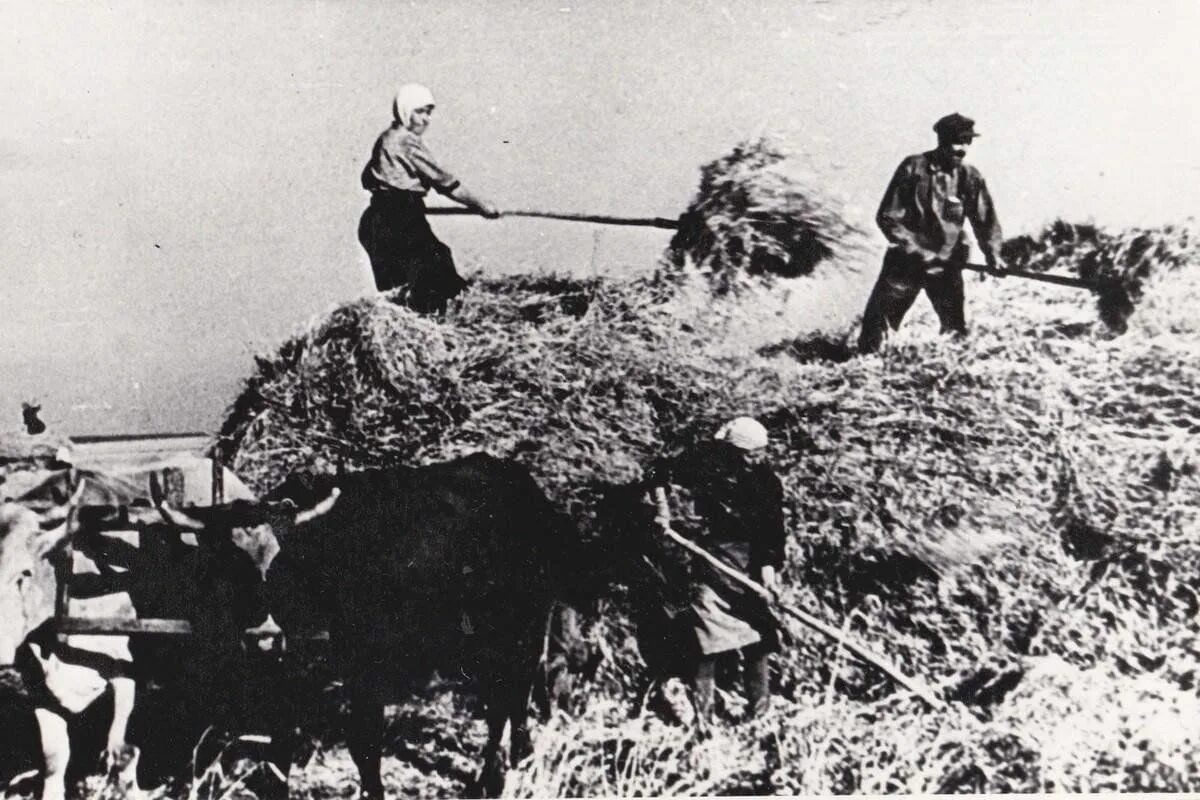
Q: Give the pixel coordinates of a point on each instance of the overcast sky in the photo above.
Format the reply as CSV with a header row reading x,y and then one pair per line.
x,y
179,180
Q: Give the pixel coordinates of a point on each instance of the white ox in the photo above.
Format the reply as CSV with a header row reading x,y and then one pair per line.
x,y
76,669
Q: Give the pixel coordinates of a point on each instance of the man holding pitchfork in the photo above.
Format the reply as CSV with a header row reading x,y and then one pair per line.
x,y
922,215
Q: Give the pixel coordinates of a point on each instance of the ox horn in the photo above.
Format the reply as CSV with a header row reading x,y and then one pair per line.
x,y
321,508
237,514
247,514
178,519
52,517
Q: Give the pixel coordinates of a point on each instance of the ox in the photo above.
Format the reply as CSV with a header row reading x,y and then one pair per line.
x,y
126,569
451,567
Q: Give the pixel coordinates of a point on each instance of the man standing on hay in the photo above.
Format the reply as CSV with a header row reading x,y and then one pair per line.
x,y
393,230
740,502
922,214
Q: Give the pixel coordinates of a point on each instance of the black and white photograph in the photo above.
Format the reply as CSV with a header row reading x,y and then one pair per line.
x,y
598,398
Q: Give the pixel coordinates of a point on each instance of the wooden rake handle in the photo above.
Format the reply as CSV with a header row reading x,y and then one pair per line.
x,y
912,684
1043,277
641,222
673,224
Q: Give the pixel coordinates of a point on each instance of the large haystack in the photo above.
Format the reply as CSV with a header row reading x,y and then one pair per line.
x,y
1012,516
581,380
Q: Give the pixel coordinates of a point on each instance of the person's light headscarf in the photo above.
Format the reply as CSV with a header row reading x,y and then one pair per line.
x,y
409,98
743,432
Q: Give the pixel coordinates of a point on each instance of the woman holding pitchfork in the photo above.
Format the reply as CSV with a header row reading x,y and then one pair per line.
x,y
404,252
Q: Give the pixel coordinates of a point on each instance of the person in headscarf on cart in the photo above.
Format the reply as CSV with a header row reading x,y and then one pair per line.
x,y
404,252
739,500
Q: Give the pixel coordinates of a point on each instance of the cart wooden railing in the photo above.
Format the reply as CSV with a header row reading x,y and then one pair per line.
x,y
63,624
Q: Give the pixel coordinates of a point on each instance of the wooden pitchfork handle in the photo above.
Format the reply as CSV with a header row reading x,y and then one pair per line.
x,y
1043,277
912,684
642,222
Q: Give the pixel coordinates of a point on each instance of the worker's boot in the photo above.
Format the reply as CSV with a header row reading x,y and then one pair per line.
x,y
757,679
704,684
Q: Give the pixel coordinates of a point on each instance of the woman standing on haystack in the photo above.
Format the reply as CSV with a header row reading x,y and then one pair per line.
x,y
393,230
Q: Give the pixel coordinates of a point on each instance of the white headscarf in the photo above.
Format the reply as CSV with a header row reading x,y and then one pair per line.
x,y
743,432
409,98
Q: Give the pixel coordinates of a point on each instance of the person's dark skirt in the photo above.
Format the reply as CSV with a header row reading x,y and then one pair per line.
x,y
405,253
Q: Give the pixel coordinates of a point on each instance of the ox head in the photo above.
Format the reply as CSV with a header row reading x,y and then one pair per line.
x,y
27,583
245,514
256,528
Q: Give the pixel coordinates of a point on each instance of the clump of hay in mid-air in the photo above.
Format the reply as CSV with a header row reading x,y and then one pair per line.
x,y
1118,264
759,213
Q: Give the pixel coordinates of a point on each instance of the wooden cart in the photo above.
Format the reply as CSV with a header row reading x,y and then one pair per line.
x,y
63,623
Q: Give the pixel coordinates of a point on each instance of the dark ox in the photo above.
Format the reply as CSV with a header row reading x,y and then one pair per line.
x,y
449,568
126,563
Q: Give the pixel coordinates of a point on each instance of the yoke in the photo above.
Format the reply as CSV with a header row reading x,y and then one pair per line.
x,y
171,483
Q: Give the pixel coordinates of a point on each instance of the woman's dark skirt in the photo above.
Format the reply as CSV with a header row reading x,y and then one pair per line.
x,y
405,254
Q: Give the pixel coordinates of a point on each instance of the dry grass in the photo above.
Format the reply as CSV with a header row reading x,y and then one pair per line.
x,y
760,213
1012,516
1119,263
580,393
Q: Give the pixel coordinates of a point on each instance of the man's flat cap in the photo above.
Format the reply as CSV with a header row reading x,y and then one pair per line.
x,y
955,127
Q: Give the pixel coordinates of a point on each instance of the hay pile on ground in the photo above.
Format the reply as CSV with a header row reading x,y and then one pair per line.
x,y
759,213
1012,516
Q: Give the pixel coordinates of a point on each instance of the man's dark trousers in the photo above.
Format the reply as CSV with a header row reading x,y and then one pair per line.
x,y
900,281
